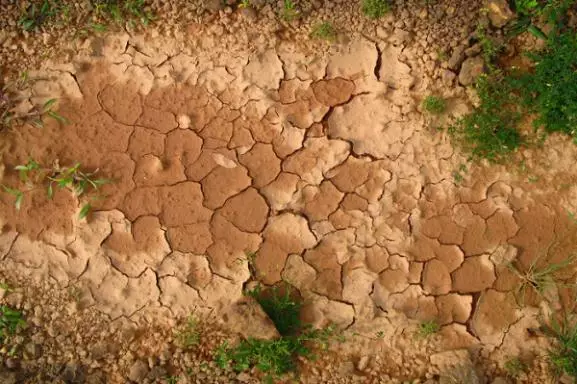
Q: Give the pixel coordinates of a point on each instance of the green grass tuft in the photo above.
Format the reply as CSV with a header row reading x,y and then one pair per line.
x,y
324,31
490,131
428,328
563,355
434,104
514,367
375,9
10,322
275,358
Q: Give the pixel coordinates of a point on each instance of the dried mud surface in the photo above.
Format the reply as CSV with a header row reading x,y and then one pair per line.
x,y
322,165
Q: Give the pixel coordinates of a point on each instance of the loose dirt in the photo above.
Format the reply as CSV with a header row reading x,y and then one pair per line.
x,y
317,159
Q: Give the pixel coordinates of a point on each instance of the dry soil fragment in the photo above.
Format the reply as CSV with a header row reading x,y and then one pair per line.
x,y
122,102
284,234
178,296
493,316
247,211
454,308
195,238
182,204
157,120
474,275
265,70
132,250
223,183
322,201
298,273
318,156
192,269
145,141
333,92
262,163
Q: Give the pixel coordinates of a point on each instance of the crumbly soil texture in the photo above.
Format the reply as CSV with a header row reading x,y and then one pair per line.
x,y
242,150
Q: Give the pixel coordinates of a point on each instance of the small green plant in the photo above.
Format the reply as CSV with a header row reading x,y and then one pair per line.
x,y
514,367
428,328
289,11
550,90
11,95
375,9
539,277
244,4
10,322
490,131
490,48
32,174
434,104
563,355
275,358
119,11
189,335
324,31
281,308
35,15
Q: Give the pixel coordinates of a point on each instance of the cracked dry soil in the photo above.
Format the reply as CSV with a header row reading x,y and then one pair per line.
x,y
319,164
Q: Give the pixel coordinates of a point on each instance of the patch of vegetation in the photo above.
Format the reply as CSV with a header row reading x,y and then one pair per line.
x,y
563,355
375,9
539,277
514,367
428,328
189,335
324,31
278,357
550,91
122,11
36,14
32,175
434,104
489,46
10,322
490,131
289,11
280,307
11,96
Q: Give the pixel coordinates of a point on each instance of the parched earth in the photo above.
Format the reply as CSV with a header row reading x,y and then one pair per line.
x,y
322,165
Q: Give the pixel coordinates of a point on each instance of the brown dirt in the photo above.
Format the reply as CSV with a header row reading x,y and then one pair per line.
x,y
325,168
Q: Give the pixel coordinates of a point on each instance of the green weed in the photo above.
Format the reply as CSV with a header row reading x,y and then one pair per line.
x,y
35,15
281,308
537,278
289,11
275,358
11,95
375,9
550,90
489,46
490,131
122,11
428,328
434,104
32,174
244,4
324,31
10,322
189,335
563,355
514,367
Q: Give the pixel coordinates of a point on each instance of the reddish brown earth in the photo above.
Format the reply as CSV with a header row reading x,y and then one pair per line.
x,y
328,173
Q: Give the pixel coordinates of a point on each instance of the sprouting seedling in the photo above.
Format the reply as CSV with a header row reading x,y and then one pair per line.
x,y
244,4
289,11
71,178
537,278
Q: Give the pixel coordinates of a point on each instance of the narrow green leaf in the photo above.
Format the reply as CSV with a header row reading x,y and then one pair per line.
x,y
84,211
58,117
48,104
18,202
37,123
50,191
21,168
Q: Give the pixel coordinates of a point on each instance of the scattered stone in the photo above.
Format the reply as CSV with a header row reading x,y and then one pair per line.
x,y
138,371
471,69
499,12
